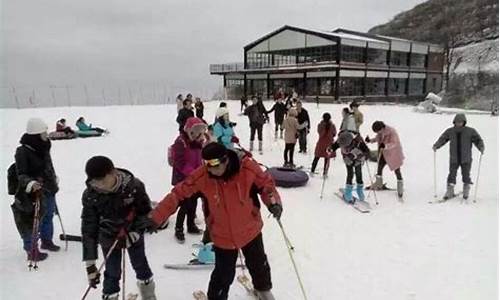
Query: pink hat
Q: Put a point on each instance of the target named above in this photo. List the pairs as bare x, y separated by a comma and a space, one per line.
194, 127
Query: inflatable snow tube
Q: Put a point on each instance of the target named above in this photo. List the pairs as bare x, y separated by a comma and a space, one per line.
59, 135
286, 177
88, 133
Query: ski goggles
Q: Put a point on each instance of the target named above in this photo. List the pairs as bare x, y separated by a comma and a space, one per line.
212, 163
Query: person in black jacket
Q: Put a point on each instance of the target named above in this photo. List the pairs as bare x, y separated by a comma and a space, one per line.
280, 110
257, 117
115, 208
185, 113
37, 181
199, 107
303, 118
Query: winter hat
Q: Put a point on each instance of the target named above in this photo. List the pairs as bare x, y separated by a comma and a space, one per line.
345, 139
377, 126
292, 112
354, 104
327, 117
36, 126
460, 118
214, 154
221, 111
194, 127
98, 166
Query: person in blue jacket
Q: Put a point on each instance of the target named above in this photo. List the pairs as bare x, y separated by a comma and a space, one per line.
82, 126
223, 129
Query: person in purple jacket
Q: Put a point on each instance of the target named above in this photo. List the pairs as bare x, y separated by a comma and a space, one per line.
187, 158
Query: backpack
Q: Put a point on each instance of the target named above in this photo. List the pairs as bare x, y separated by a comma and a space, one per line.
171, 153
12, 180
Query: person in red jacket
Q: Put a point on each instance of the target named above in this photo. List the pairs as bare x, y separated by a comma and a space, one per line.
229, 182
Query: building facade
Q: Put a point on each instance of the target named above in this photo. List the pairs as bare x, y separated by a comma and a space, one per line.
337, 65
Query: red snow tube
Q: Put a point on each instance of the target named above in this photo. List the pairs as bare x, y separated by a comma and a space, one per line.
286, 177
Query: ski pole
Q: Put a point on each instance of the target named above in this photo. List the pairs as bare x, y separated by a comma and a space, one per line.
325, 173
477, 178
62, 227
124, 253
292, 259
371, 182
435, 184
33, 263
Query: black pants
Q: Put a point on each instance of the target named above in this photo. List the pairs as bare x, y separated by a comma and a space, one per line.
278, 125
187, 208
225, 268
452, 176
303, 140
288, 153
137, 257
315, 163
351, 169
381, 165
253, 129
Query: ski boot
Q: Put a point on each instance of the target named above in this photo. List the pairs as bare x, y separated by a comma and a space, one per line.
360, 191
400, 188
251, 146
264, 295
378, 184
194, 230
179, 235
147, 289
206, 254
49, 245
348, 194
450, 191
114, 296
466, 191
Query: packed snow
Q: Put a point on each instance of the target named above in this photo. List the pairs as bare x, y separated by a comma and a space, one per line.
409, 251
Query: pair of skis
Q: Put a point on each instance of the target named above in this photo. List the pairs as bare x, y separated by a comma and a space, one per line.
445, 199
359, 205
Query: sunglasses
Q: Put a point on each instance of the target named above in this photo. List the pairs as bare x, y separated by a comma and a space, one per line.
212, 163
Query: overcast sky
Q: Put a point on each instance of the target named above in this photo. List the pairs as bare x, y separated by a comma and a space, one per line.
171, 42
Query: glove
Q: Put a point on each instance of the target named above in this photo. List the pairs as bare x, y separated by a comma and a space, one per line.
235, 139
367, 139
93, 276
382, 146
276, 209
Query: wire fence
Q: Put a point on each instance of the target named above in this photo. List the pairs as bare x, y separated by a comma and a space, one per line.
86, 95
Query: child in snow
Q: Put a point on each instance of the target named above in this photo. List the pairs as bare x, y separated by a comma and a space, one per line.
348, 122
279, 109
354, 153
291, 126
199, 108
82, 126
114, 215
257, 118
390, 153
326, 133
228, 182
185, 113
62, 127
223, 129
305, 126
187, 158
36, 181
461, 138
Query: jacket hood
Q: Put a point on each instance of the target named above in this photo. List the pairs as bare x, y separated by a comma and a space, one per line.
460, 118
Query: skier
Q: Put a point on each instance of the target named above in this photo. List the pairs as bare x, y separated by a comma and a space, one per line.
82, 126
187, 158
223, 129
461, 138
292, 127
390, 153
199, 108
185, 113
354, 153
326, 134
257, 118
179, 101
243, 103
303, 118
229, 182
348, 122
279, 109
37, 181
358, 115
115, 208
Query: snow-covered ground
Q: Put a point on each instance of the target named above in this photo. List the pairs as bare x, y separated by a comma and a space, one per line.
405, 251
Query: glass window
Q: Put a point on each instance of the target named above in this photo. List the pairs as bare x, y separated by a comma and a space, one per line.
418, 60
397, 86
416, 86
375, 86
311, 86
326, 86
353, 54
351, 86
377, 56
399, 58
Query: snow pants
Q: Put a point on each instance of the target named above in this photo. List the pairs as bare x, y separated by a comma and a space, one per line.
112, 274
255, 128
452, 176
381, 165
303, 140
46, 225
187, 208
225, 268
288, 152
351, 169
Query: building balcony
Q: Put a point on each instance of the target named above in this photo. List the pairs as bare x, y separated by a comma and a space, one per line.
226, 68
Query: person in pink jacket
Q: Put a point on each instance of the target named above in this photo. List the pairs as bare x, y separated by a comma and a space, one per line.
390, 153
187, 158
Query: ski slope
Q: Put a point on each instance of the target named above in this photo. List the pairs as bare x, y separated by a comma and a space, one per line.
405, 251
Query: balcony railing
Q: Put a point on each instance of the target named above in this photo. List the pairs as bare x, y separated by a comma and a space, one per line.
225, 68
